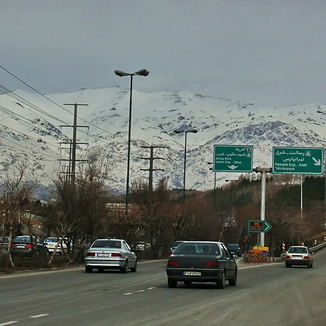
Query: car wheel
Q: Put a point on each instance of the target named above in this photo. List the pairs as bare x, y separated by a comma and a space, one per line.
134, 269
88, 269
172, 283
124, 268
233, 280
221, 281
310, 265
187, 283
287, 265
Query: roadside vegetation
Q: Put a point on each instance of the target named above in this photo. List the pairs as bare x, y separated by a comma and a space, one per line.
83, 211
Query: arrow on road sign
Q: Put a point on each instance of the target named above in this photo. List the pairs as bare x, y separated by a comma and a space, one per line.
258, 226
317, 162
232, 167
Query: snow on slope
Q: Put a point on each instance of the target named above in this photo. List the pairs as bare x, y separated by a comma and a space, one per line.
29, 134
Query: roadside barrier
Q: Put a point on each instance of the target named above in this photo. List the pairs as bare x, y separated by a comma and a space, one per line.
256, 256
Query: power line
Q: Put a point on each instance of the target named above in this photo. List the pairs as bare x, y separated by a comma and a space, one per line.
49, 99
28, 136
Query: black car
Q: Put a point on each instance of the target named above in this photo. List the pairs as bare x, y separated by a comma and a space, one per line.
201, 261
28, 246
234, 249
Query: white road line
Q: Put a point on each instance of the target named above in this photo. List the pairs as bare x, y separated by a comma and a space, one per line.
9, 323
151, 288
140, 291
256, 266
127, 293
39, 316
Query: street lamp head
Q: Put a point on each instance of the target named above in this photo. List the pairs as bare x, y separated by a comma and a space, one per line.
121, 73
142, 72
178, 131
192, 130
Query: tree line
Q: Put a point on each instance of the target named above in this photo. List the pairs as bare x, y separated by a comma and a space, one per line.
81, 211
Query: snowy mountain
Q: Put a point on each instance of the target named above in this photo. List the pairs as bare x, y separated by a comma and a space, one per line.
30, 131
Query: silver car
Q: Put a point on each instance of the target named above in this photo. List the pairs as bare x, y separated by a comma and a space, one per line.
298, 255
110, 254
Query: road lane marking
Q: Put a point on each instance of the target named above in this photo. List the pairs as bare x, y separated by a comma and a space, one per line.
140, 291
151, 288
127, 293
39, 316
9, 323
256, 266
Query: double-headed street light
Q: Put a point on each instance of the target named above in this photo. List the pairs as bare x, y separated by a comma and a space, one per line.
142, 72
185, 157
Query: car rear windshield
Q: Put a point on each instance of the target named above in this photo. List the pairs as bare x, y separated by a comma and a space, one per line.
233, 246
51, 240
198, 249
297, 250
22, 239
106, 244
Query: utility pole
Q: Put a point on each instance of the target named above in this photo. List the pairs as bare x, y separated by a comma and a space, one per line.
72, 155
263, 172
151, 159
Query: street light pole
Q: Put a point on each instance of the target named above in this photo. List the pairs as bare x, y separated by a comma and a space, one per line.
185, 158
120, 73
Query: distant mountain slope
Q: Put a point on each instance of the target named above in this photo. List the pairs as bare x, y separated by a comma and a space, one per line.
30, 131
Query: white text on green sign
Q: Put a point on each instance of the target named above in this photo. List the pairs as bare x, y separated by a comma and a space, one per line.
229, 158
298, 160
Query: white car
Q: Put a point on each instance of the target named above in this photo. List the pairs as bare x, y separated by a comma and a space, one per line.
55, 243
110, 254
298, 255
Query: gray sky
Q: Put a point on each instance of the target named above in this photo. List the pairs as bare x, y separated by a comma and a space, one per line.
268, 52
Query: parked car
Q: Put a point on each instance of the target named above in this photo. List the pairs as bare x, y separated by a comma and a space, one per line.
55, 243
174, 246
28, 246
201, 261
298, 255
110, 253
234, 249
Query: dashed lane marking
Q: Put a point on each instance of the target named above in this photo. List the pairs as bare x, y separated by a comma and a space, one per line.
9, 323
39, 316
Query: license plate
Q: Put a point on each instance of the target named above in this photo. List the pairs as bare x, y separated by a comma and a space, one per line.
20, 246
297, 257
103, 255
188, 273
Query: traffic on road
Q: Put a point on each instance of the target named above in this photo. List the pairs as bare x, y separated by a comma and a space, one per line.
285, 296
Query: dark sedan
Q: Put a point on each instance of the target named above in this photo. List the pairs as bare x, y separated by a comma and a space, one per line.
201, 261
28, 246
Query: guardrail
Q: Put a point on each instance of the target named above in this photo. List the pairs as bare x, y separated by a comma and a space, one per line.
318, 247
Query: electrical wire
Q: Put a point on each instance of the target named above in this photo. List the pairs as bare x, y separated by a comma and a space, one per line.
49, 99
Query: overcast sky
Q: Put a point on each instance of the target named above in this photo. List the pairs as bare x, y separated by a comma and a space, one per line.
268, 52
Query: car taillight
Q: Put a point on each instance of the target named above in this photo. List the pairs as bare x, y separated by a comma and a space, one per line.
115, 254
92, 254
29, 245
287, 257
13, 245
173, 263
212, 264
306, 257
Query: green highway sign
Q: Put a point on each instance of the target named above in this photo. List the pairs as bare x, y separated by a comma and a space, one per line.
298, 160
258, 226
232, 158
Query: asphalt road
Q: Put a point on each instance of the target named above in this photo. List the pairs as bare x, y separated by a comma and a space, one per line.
265, 295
